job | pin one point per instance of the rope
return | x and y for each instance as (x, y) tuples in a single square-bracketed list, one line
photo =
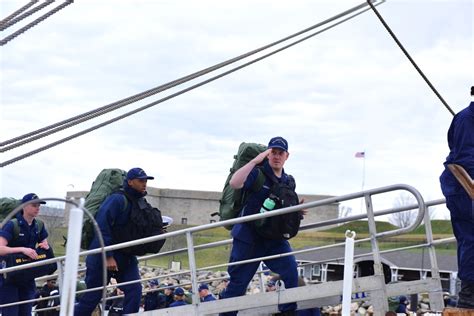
[(88, 130), (35, 22), (408, 56), (20, 10), (24, 15), (118, 104)]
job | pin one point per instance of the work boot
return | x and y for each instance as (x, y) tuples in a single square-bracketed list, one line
[(466, 296)]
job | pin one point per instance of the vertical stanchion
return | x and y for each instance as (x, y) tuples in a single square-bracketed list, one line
[(192, 268), (68, 290), (348, 273)]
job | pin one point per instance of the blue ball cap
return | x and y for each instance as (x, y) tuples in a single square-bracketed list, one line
[(179, 291), (138, 173), (203, 287), (279, 143), (153, 282), (30, 197)]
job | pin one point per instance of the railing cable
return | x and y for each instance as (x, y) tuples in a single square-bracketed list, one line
[(35, 22), (409, 57), (17, 12), (88, 130), (40, 133), (6, 25)]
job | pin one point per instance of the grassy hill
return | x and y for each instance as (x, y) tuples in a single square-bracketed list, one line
[(218, 255)]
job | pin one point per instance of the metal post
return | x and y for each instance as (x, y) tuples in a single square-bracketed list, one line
[(68, 291), (435, 294), (260, 278), (379, 297), (348, 273), (192, 268)]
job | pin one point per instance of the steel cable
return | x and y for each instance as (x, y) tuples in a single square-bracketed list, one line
[(63, 140), (409, 57), (35, 22), (20, 10), (40, 133), (6, 25)]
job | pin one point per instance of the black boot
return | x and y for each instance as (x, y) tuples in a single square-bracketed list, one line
[(466, 296)]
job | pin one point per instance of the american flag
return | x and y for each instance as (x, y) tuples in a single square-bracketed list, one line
[(360, 154)]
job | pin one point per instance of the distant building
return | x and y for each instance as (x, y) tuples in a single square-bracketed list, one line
[(191, 207)]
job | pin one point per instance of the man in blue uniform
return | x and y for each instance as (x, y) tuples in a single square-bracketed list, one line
[(204, 294), (154, 300), (460, 205), (247, 244), (178, 298), (31, 236), (115, 212)]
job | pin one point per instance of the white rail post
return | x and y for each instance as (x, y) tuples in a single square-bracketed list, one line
[(348, 273), (68, 291)]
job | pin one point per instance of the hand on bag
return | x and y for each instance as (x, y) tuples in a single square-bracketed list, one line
[(29, 252)]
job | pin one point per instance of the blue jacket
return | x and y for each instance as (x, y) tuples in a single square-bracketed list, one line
[(178, 303), (208, 298), (246, 231), (114, 211), (461, 146)]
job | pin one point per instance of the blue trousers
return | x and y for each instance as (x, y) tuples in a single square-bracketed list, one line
[(127, 271), (242, 274), (15, 293), (461, 208)]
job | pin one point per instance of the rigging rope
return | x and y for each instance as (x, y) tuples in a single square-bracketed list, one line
[(38, 150), (56, 127), (24, 15), (20, 10), (409, 57), (35, 22)]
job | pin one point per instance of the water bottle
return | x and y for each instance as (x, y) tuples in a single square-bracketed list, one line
[(268, 205)]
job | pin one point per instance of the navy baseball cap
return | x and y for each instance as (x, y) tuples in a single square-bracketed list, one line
[(203, 287), (179, 291), (30, 197), (278, 142), (153, 282), (138, 173)]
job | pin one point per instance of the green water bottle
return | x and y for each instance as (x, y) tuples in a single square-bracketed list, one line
[(268, 205)]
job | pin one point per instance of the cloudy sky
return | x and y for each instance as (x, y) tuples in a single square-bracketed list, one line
[(345, 90)]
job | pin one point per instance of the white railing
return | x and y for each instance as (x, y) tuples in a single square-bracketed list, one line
[(374, 285)]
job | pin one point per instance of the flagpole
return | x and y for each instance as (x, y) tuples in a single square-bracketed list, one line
[(363, 181), (363, 171)]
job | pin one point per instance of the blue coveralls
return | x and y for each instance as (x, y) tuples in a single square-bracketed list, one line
[(461, 207), (29, 237), (178, 303), (112, 213), (247, 244), (209, 297)]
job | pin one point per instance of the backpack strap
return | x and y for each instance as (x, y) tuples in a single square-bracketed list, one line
[(16, 227), (259, 181)]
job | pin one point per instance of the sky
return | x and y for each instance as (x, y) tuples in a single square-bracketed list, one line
[(346, 90)]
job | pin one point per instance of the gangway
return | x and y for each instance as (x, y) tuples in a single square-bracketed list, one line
[(312, 295)]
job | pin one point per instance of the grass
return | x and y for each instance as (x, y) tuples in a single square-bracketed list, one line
[(219, 255)]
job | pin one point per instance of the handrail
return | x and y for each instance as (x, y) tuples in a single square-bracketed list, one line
[(421, 205)]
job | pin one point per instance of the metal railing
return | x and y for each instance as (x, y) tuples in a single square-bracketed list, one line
[(375, 285)]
